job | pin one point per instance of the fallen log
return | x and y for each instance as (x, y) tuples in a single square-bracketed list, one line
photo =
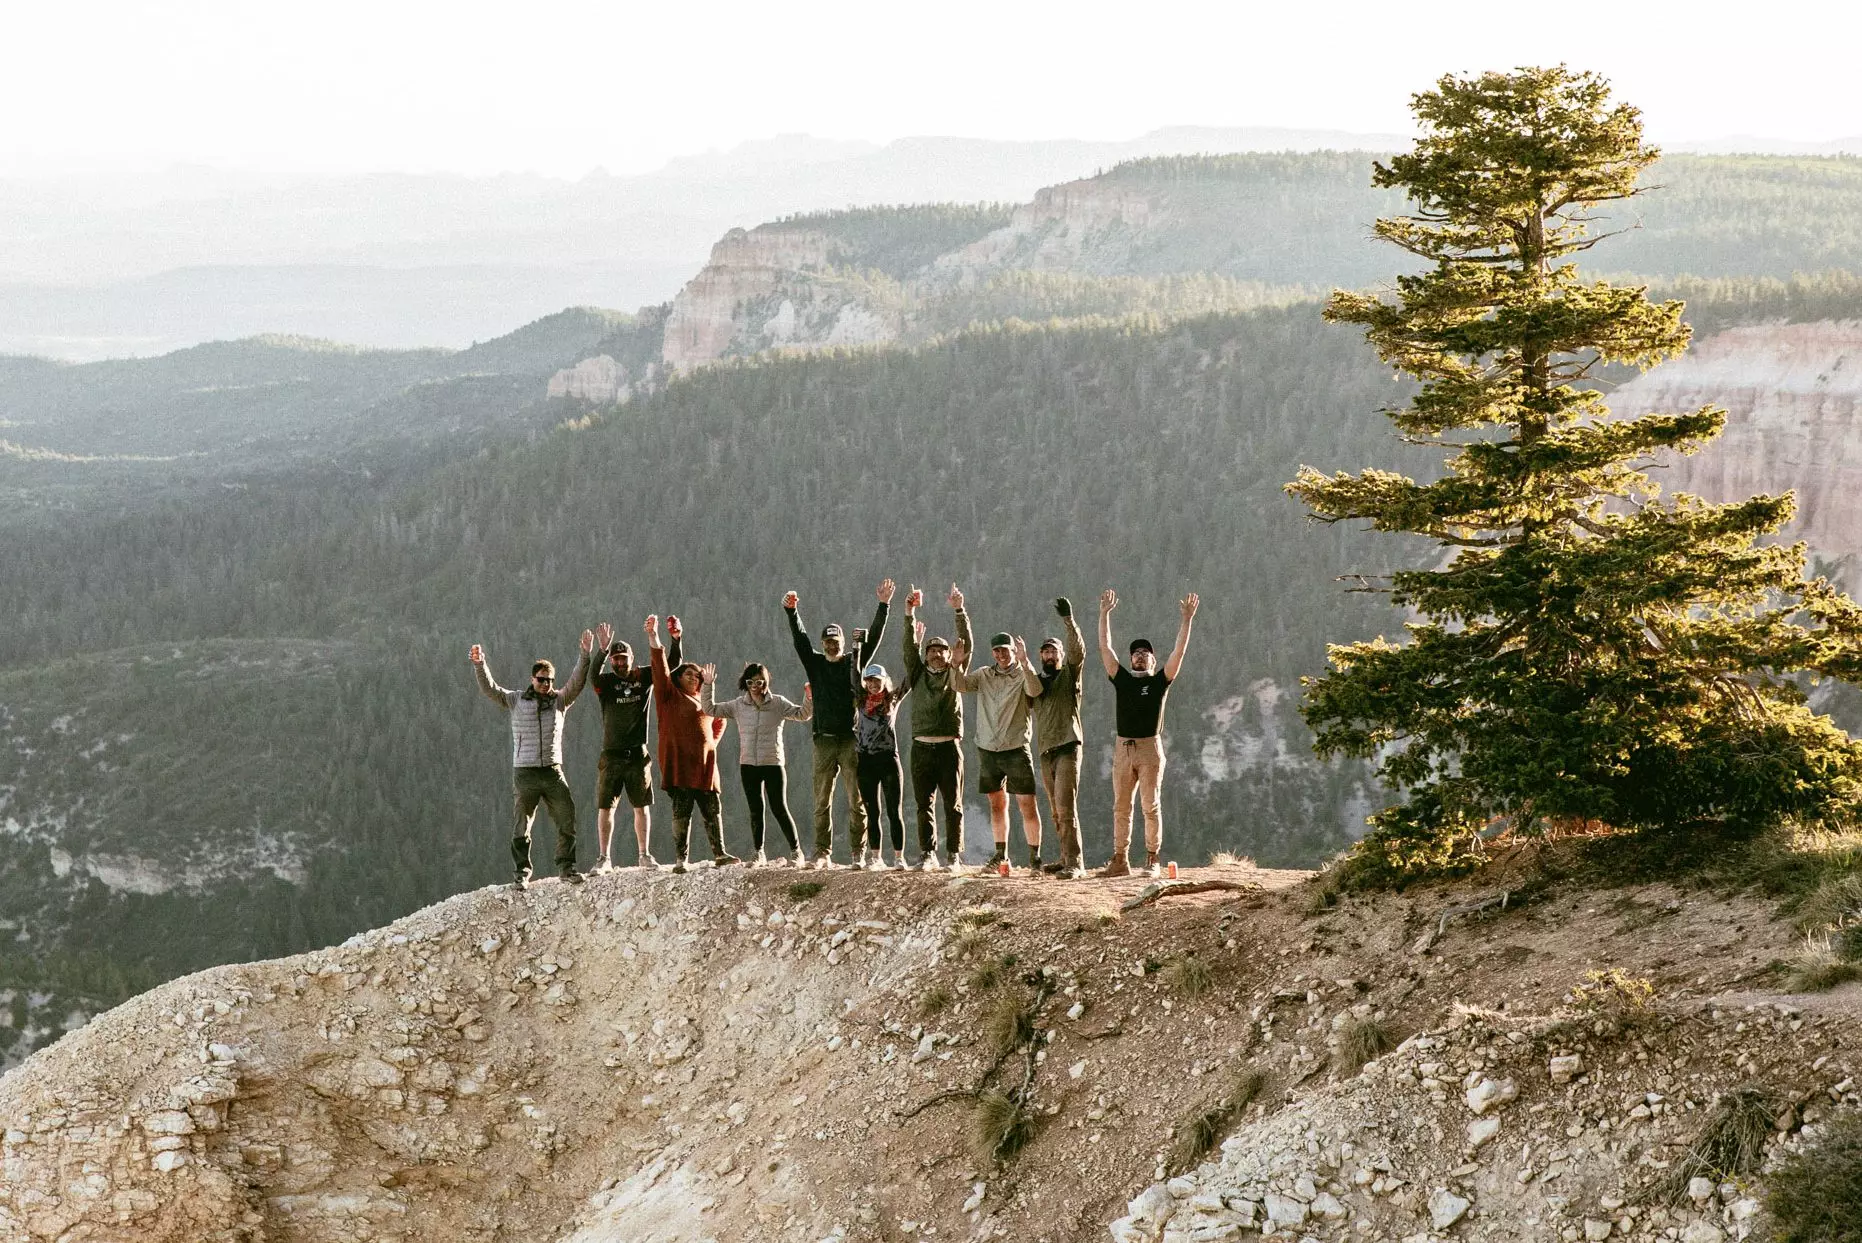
[(1158, 890)]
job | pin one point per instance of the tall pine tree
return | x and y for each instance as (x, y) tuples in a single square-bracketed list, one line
[(1587, 651)]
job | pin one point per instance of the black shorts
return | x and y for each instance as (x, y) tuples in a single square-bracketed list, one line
[(997, 768), (625, 773)]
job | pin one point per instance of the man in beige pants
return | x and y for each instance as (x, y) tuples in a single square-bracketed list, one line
[(1138, 756)]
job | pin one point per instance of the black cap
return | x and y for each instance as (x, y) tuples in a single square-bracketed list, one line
[(1143, 645)]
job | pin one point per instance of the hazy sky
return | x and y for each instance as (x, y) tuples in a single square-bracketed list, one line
[(562, 86)]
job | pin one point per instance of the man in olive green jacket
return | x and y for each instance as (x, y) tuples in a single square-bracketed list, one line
[(937, 731), (1058, 735)]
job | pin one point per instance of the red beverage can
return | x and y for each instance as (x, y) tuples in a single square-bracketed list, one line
[(1002, 868), (1173, 869)]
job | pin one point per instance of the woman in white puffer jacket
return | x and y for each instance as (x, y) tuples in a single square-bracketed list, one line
[(760, 715)]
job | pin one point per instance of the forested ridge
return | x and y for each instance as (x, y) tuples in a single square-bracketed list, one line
[(1059, 432)]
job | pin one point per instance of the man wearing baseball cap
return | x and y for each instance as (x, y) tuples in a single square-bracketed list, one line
[(1138, 755), (1003, 690), (836, 757), (1058, 735), (624, 690), (937, 731)]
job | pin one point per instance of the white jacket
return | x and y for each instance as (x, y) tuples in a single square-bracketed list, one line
[(759, 726)]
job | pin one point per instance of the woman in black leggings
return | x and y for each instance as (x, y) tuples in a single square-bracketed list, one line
[(876, 752), (760, 714)]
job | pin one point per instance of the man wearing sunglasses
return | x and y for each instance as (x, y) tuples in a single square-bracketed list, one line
[(536, 755)]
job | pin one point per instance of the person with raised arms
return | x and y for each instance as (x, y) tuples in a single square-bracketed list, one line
[(836, 757), (937, 731), (1138, 753), (1003, 690), (761, 767), (876, 739), (688, 750), (536, 714), (624, 691), (1058, 735)]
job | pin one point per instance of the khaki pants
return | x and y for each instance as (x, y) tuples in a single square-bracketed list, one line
[(1060, 773), (837, 757), (937, 768), (1137, 767)]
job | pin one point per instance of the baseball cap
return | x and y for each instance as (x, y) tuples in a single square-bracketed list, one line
[(1001, 638), (1052, 642), (874, 671), (1143, 645), (832, 628), (936, 641)]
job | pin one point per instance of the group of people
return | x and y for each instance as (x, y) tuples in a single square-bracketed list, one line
[(1028, 717)]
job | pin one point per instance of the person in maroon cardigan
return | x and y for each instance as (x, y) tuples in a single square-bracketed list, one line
[(688, 749)]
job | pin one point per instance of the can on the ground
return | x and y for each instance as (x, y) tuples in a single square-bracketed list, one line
[(1173, 869)]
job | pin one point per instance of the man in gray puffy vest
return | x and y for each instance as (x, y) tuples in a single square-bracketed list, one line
[(536, 755)]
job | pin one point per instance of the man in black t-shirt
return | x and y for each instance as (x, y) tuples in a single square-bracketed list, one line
[(1138, 756), (625, 693)]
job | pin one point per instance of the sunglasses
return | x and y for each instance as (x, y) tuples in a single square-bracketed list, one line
[(541, 677)]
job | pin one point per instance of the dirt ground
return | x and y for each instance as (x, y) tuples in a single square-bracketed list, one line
[(722, 1056)]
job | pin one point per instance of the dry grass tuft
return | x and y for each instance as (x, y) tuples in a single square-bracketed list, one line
[(1361, 1040), (1109, 915), (988, 974), (935, 1000), (999, 1127), (979, 916), (1202, 1130), (1816, 967), (1730, 1145), (1834, 903), (1008, 1024), (1188, 976), (802, 890), (1229, 859), (968, 941)]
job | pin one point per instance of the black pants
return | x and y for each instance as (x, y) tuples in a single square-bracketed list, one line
[(880, 788), (761, 779), (937, 768), (544, 785), (710, 806)]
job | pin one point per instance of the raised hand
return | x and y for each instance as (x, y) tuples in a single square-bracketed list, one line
[(707, 674), (1188, 605), (1108, 600), (476, 655), (914, 598), (588, 642), (604, 635), (790, 600), (956, 597), (673, 627), (1021, 650), (885, 592), (1063, 606), (652, 626)]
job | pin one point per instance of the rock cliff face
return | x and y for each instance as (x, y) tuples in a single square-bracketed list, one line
[(1088, 225), (770, 287), (1792, 393), (727, 1055)]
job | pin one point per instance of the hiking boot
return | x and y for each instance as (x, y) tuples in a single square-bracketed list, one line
[(1118, 867), (821, 862), (930, 862), (602, 868), (997, 859), (724, 860), (678, 867), (1056, 867), (1152, 867), (571, 877), (521, 882), (1034, 860), (860, 860), (648, 863)]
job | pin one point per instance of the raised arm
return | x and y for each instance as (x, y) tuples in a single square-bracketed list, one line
[(964, 636), (486, 683), (1187, 606), (804, 647), (877, 630), (707, 681), (675, 642), (913, 636), (792, 711), (1108, 600), (579, 678), (1031, 681), (1073, 643), (662, 675)]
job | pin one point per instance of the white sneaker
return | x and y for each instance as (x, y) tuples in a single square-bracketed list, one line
[(602, 868), (761, 861), (821, 863), (898, 860), (648, 863), (930, 863)]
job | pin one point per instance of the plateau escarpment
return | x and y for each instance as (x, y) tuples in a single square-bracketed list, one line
[(1792, 393), (731, 1055)]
